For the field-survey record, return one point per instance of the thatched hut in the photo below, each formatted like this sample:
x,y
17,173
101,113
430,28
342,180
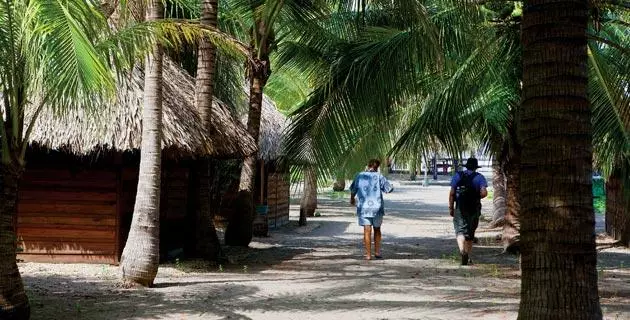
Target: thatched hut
x,y
271,194
78,191
272,178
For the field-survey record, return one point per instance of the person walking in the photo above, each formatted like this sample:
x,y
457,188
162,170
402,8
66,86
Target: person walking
x,y
368,187
468,187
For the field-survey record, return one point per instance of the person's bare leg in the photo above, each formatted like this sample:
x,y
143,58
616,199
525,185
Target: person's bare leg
x,y
377,241
468,246
367,241
461,243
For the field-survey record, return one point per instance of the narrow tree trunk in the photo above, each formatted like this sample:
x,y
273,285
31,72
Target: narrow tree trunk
x,y
13,300
239,229
511,224
425,180
498,195
206,57
617,210
339,184
207,242
558,256
308,204
141,256
385,167
412,169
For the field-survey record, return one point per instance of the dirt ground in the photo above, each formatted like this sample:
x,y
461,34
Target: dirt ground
x,y
317,272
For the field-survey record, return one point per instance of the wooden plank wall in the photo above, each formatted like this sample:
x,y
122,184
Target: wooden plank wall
x,y
175,229
66,216
174,226
278,188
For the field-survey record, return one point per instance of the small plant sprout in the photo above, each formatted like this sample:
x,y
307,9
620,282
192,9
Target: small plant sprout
x,y
245,269
220,268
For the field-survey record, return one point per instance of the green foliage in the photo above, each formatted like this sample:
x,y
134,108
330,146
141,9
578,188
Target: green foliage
x,y
609,75
453,256
338,195
490,194
599,205
461,88
49,57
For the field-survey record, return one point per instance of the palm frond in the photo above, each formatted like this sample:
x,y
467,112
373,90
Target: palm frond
x,y
608,91
61,39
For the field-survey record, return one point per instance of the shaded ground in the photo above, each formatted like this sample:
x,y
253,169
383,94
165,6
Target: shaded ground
x,y
317,272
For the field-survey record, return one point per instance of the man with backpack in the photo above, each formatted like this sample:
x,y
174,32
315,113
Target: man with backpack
x,y
468,187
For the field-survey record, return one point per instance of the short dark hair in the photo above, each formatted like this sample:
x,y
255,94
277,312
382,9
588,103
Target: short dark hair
x,y
374,163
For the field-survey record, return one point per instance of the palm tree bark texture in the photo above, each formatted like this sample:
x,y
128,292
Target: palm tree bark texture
x,y
498,195
617,209
308,204
207,243
512,224
141,255
239,229
558,256
13,300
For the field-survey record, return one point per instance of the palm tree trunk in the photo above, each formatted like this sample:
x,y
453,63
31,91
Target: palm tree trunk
x,y
207,242
558,256
340,183
617,210
239,229
499,194
308,204
141,256
13,300
512,225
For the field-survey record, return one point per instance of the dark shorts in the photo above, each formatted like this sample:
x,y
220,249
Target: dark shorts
x,y
466,224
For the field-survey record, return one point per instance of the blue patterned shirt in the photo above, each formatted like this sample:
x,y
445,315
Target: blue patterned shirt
x,y
369,187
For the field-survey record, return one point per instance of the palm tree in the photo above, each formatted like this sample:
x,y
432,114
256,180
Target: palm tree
x,y
466,104
141,255
609,69
557,235
308,204
498,195
365,63
52,55
207,242
263,19
618,207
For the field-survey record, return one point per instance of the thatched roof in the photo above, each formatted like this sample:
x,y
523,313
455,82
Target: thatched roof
x,y
272,125
119,126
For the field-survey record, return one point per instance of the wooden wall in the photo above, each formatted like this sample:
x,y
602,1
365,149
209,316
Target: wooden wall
x,y
278,189
84,215
174,226
177,230
68,216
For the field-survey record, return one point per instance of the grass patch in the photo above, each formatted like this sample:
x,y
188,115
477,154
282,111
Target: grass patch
x,y
493,270
195,265
490,194
338,195
454,256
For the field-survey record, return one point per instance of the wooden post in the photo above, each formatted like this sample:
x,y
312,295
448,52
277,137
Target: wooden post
x,y
118,165
263,181
434,163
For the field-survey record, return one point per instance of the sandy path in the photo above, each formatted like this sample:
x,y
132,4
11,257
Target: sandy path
x,y
317,272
